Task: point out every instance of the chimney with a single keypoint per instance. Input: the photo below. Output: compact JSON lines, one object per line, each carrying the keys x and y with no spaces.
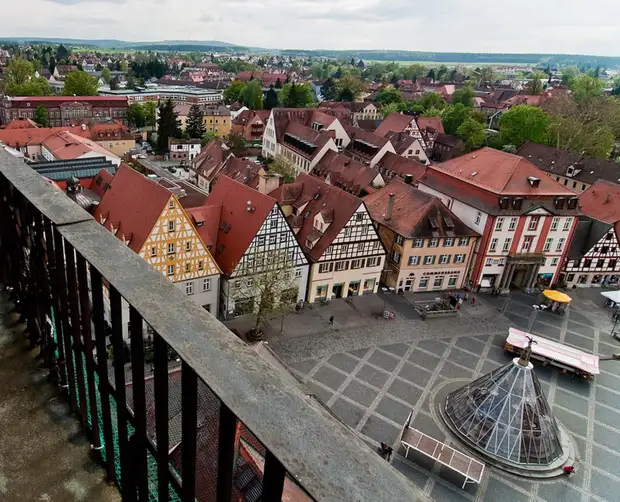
{"x":268,"y":182}
{"x":408,"y":179}
{"x":390,"y":207}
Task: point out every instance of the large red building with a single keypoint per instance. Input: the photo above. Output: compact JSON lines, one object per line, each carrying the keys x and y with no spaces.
{"x":64,"y":110}
{"x":525,"y":218}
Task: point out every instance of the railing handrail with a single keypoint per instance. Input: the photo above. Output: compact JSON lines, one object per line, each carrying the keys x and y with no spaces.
{"x":326,"y":459}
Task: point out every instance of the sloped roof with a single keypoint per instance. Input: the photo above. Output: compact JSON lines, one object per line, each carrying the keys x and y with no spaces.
{"x":330,"y":198}
{"x":206,"y":221}
{"x":411,"y":212}
{"x":242,"y":170}
{"x":501,"y":173}
{"x":358,"y":136}
{"x":36,"y":136}
{"x":396,"y":122}
{"x":557,"y":161}
{"x":132,"y":204}
{"x":235,"y":199}
{"x":60,"y":170}
{"x":431,"y":123}
{"x":65,"y":145}
{"x":401,"y":165}
{"x":21,"y":124}
{"x":316,"y":138}
{"x":601,"y":202}
{"x":282,"y":117}
{"x":401,"y":141}
{"x":211,"y":156}
{"x":344,"y":172}
{"x":101,"y":182}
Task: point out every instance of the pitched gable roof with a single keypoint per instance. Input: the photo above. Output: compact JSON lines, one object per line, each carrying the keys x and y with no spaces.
{"x":500,"y":173}
{"x":401,"y":166}
{"x":396,"y":122}
{"x":132,"y":204}
{"x":305,"y":141}
{"x":344,"y":172}
{"x":363,"y":143}
{"x":319,"y":196}
{"x":434,"y":123}
{"x":601,"y":202}
{"x":412,"y":212}
{"x":243,"y":212}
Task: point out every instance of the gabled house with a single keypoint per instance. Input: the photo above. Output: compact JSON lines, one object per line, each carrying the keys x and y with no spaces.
{"x":365,"y":111}
{"x":392,"y":164}
{"x":335,"y":231}
{"x":593,"y":259}
{"x":208,"y":163}
{"x":151,"y":221}
{"x":526,"y":220}
{"x":347,"y":174}
{"x":447,"y":147}
{"x":397,"y":122}
{"x":249,"y":235}
{"x":367,"y":148}
{"x":250,"y":124}
{"x":431,"y":128}
{"x":572,"y":169}
{"x":408,"y":146}
{"x":323,"y":119}
{"x":303,"y":147}
{"x":429,"y":248}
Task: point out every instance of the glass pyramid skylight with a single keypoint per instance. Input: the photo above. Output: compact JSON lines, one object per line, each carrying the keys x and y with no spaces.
{"x":505,"y":415}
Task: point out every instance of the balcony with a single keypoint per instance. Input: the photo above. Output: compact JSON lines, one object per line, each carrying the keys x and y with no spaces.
{"x":185,"y":413}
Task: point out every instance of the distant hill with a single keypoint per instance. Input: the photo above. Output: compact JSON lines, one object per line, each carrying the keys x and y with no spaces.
{"x":120,"y":44}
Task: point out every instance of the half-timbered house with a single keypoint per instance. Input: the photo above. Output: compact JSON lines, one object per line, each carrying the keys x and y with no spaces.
{"x":594,"y":256}
{"x":251,"y":238}
{"x":335,"y":231}
{"x":399,"y":123}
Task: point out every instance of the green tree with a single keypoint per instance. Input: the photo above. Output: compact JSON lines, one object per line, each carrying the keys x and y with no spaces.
{"x":41,"y":116}
{"x":232,"y":94}
{"x":271,"y":99}
{"x":433,"y":100}
{"x":329,"y":90}
{"x":194,"y":127}
{"x":80,"y":83}
{"x":472,"y":133}
{"x":464,"y":95}
{"x":389,"y":95}
{"x":208,"y":137}
{"x":106,"y":75}
{"x":454,"y":115}
{"x":414,"y":72}
{"x":132,"y":82}
{"x":136,"y":115}
{"x":585,"y":88}
{"x":569,"y":74}
{"x":150,"y":113}
{"x":349,"y":88}
{"x":252,"y":95}
{"x":536,"y":84}
{"x":296,"y":96}
{"x":388,"y":109}
{"x":168,"y":125}
{"x":114,"y":84}
{"x":523,"y":123}
{"x":20,"y":79}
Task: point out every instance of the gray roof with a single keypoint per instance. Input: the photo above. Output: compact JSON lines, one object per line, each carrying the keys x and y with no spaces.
{"x":60,"y":170}
{"x":588,"y":233}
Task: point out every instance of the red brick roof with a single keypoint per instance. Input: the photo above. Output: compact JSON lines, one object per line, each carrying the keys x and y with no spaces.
{"x":339,"y":204}
{"x":282,"y":117}
{"x":211,"y":156}
{"x":501,"y":173}
{"x":53,"y":101}
{"x":101,"y":182}
{"x":65,"y":145}
{"x":19,"y":138}
{"x":242,"y":170}
{"x":401,"y":166}
{"x":602,"y":202}
{"x":396,"y":122}
{"x":412,"y":210}
{"x":431,"y":123}
{"x":243,"y":212}
{"x":344,"y":172}
{"x":316,"y":138}
{"x":206,"y":220}
{"x":21,"y":124}
{"x":132,"y":205}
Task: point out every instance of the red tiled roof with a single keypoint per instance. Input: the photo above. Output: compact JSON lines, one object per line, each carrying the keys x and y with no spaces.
{"x":401,"y":165}
{"x":206,"y":220}
{"x":34,"y":101}
{"x":602,"y":202}
{"x":242,"y":170}
{"x":411,"y":211}
{"x":211,"y":156}
{"x":282,"y":117}
{"x":396,"y":122}
{"x":501,"y":173}
{"x":21,"y":124}
{"x":243,"y":224}
{"x":318,"y":139}
{"x":305,"y":188}
{"x":65,"y":145}
{"x":344,"y":172}
{"x":133,"y":203}
{"x":360,"y":135}
{"x":101,"y":182}
{"x":23,"y":137}
{"x":431,"y":123}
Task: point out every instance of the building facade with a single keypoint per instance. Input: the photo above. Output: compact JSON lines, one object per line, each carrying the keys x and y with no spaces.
{"x":217,"y":119}
{"x":184,"y":149}
{"x":64,"y":110}
{"x":177,"y":94}
{"x":526,"y":220}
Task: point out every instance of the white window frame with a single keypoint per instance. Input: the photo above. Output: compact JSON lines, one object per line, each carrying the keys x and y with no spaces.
{"x":206,"y":284}
{"x":418,"y":243}
{"x":400,"y":240}
{"x":506,"y":245}
{"x":463,"y":241}
{"x":512,"y":224}
{"x":170,"y":269}
{"x":433,"y":243}
{"x":189,"y":288}
{"x":493,"y":246}
{"x":459,"y":258}
{"x":555,"y":223}
{"x":153,"y":251}
{"x":188,"y":246}
{"x":548,"y":244}
{"x":448,"y":242}
{"x":298,"y":273}
{"x":560,"y":244}
{"x":429,"y":259}
{"x":488,"y":262}
{"x":567,"y":223}
{"x":414,"y":260}
{"x":171,"y":225}
{"x":478,"y":218}
{"x":171,"y":248}
{"x":444,"y":259}
{"x":499,"y":224}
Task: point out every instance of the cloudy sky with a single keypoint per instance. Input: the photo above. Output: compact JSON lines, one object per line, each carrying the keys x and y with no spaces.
{"x":562,"y":26}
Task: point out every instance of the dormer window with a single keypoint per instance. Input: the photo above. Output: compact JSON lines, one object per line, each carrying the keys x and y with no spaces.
{"x":570,"y":171}
{"x":559,"y":203}
{"x":572,"y":203}
{"x":504,"y":203}
{"x":517,"y":203}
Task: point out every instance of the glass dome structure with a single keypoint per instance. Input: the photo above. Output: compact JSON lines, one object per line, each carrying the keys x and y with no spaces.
{"x":505,"y":415}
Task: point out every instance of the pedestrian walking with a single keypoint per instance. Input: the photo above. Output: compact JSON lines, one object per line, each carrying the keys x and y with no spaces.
{"x":331,"y":320}
{"x":569,"y":469}
{"x":473,"y":300}
{"x":466,"y":297}
{"x":389,"y":453}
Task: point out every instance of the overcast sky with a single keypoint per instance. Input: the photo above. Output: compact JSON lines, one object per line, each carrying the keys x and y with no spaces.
{"x":556,"y":26}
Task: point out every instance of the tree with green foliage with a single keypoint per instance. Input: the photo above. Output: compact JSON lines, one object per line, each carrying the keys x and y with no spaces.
{"x":586,"y":88}
{"x":150,"y":113}
{"x":41,"y":116}
{"x":464,"y":95}
{"x":296,"y":96}
{"x":329,"y":90}
{"x":349,"y":88}
{"x":414,"y":71}
{"x":433,"y":100}
{"x":136,"y":115}
{"x":537,"y":83}
{"x":114,"y":85}
{"x":233,"y":93}
{"x":389,"y":95}
{"x":442,"y":73}
{"x":454,"y":115}
{"x":194,"y":127}
{"x":62,"y":52}
{"x":208,"y":137}
{"x":569,"y":74}
{"x":389,"y":108}
{"x":106,"y":75}
{"x":20,"y":79}
{"x":271,"y":99}
{"x":80,"y":83}
{"x":252,"y":95}
{"x":168,"y":125}
{"x":523,"y":123}
{"x":472,"y":133}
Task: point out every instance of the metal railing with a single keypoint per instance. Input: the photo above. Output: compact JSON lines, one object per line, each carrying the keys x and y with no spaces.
{"x":164,"y":433}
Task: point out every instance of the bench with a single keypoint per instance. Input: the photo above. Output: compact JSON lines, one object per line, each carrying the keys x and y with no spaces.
{"x":414,"y":439}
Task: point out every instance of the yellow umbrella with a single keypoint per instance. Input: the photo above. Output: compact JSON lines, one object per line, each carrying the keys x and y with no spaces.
{"x":556,"y":296}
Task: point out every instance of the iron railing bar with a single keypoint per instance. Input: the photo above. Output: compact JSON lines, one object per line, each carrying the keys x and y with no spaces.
{"x":160,"y":349}
{"x":226,"y":453}
{"x":189,"y":401}
{"x":273,"y":479}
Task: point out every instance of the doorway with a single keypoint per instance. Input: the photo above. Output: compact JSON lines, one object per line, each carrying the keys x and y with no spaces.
{"x":337,"y":290}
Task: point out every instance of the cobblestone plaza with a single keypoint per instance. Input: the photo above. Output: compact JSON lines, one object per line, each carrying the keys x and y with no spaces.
{"x":372,"y":373}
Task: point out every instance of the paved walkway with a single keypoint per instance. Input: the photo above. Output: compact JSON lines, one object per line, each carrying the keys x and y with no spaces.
{"x":373,"y":372}
{"x":43,"y":456}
